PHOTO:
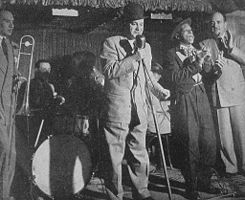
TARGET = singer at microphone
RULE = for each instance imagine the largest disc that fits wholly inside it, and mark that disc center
(125, 58)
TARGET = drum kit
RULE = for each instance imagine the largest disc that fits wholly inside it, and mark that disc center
(61, 165)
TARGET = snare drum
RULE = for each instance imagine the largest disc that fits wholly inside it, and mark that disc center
(61, 166)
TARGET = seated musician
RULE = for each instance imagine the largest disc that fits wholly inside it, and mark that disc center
(43, 101)
(83, 92)
(42, 92)
(159, 107)
(42, 97)
(162, 117)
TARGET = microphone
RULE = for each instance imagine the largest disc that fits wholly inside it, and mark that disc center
(140, 41)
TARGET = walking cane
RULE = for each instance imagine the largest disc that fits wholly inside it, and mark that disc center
(140, 43)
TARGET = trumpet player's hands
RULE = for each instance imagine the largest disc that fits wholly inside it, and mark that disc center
(229, 41)
(204, 53)
(220, 62)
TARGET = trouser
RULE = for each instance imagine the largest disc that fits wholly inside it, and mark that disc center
(196, 137)
(231, 121)
(7, 159)
(122, 141)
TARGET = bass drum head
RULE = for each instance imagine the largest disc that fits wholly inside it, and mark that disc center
(61, 166)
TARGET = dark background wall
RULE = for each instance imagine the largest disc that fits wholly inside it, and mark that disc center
(57, 38)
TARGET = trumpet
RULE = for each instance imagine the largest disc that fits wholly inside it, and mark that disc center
(25, 58)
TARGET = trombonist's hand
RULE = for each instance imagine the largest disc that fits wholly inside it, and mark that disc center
(18, 80)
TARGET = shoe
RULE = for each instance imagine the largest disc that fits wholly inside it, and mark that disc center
(194, 195)
(230, 175)
(211, 190)
(148, 198)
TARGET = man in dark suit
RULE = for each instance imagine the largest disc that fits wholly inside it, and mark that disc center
(125, 119)
(193, 123)
(7, 105)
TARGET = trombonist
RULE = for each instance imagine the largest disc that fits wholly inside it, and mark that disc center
(193, 122)
(8, 70)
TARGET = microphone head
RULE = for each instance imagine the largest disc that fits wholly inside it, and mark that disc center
(140, 41)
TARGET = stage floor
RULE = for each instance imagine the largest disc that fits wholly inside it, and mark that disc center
(233, 185)
(95, 189)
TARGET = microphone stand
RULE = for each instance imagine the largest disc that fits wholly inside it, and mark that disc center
(146, 73)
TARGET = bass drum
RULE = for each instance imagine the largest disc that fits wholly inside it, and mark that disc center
(61, 166)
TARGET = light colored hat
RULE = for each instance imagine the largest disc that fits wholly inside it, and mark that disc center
(178, 27)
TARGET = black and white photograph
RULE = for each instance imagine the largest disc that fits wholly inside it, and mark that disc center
(122, 99)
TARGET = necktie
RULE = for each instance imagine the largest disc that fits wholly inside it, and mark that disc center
(134, 115)
(221, 45)
(4, 47)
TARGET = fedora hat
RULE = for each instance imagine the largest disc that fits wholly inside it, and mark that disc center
(178, 26)
(133, 11)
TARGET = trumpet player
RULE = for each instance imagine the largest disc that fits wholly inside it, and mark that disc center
(7, 104)
(193, 123)
(228, 92)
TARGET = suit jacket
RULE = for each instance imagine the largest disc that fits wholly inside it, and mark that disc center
(7, 70)
(179, 74)
(229, 89)
(7, 126)
(119, 69)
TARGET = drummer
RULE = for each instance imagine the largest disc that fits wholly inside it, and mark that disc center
(84, 90)
(84, 97)
(162, 117)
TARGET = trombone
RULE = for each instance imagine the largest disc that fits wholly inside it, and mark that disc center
(26, 51)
